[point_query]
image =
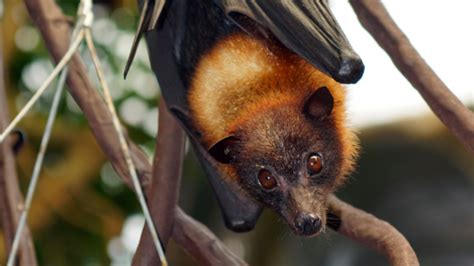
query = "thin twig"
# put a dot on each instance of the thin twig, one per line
(450, 110)
(59, 67)
(164, 189)
(41, 154)
(37, 167)
(55, 31)
(125, 149)
(373, 232)
(10, 195)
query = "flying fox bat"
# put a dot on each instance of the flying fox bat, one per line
(252, 54)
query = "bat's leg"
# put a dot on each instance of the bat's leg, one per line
(19, 140)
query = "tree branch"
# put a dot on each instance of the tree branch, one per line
(164, 190)
(11, 199)
(450, 110)
(373, 232)
(201, 243)
(55, 31)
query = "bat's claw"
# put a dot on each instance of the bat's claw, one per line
(19, 141)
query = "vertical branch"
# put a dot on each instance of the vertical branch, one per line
(10, 194)
(450, 110)
(374, 233)
(164, 190)
(123, 143)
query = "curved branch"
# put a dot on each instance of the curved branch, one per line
(373, 232)
(450, 110)
(201, 243)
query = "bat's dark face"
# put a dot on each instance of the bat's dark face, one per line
(290, 158)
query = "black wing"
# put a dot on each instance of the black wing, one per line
(240, 211)
(151, 11)
(308, 28)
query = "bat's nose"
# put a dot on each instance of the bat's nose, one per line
(350, 70)
(308, 224)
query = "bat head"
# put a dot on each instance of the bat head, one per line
(290, 158)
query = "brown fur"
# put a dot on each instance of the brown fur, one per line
(244, 77)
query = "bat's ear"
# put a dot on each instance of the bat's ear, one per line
(319, 104)
(224, 149)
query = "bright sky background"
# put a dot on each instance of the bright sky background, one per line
(441, 31)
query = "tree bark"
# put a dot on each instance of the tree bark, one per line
(449, 109)
(164, 190)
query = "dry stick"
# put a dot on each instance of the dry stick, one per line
(55, 31)
(126, 151)
(201, 243)
(376, 20)
(42, 152)
(10, 195)
(164, 190)
(61, 64)
(37, 168)
(375, 233)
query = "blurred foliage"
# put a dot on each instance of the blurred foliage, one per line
(413, 173)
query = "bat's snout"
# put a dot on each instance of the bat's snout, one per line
(308, 224)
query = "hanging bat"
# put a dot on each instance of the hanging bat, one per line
(256, 86)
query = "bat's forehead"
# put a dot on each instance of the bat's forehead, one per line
(281, 138)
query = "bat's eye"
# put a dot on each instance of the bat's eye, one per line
(314, 164)
(267, 180)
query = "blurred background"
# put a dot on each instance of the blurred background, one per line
(411, 172)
